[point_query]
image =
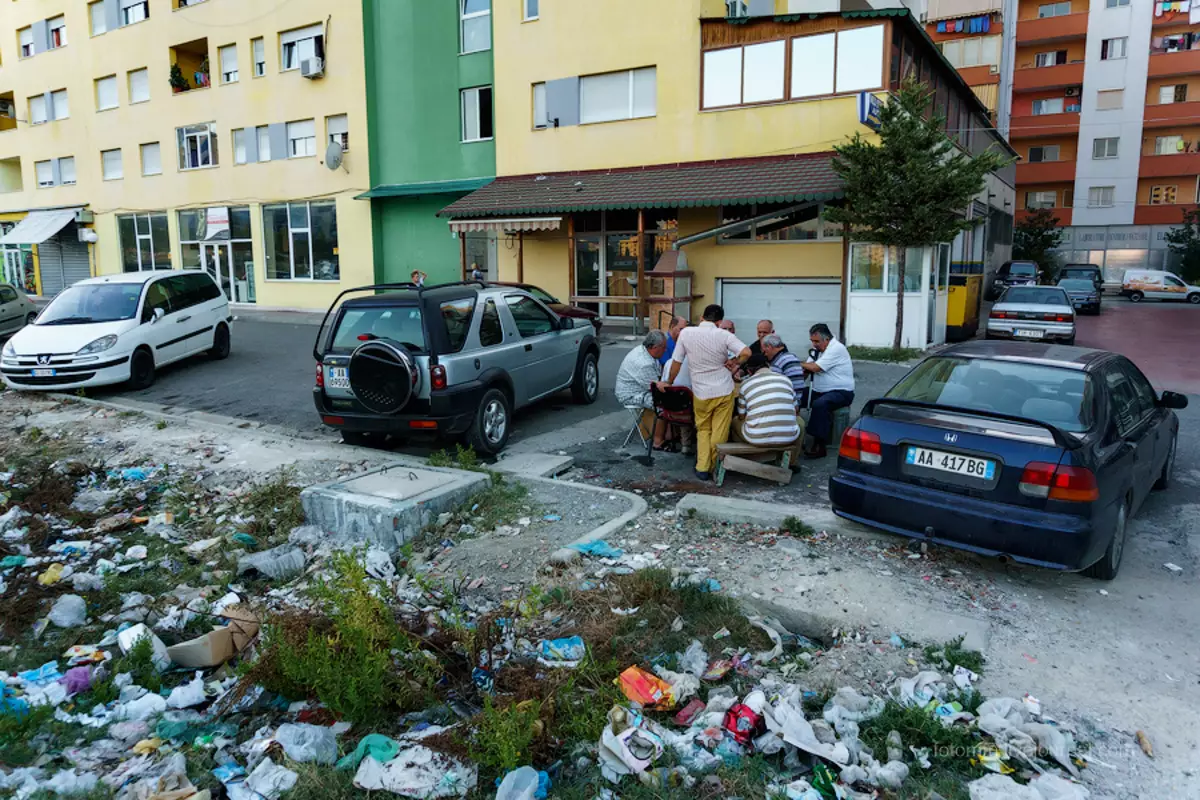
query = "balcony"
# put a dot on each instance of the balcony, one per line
(979, 76)
(1169, 18)
(1160, 215)
(1185, 62)
(10, 175)
(1171, 115)
(1169, 166)
(1052, 29)
(1045, 172)
(1043, 125)
(189, 66)
(8, 112)
(1031, 79)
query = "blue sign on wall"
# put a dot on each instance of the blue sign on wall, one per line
(869, 107)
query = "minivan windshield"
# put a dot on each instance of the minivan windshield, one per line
(1055, 395)
(94, 302)
(1035, 295)
(400, 324)
(1024, 268)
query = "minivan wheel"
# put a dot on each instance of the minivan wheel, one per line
(1106, 568)
(141, 370)
(586, 387)
(1136, 297)
(221, 344)
(492, 423)
(1164, 479)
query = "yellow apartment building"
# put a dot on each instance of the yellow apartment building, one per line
(185, 134)
(663, 156)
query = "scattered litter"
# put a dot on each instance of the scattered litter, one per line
(277, 563)
(597, 548)
(303, 742)
(1173, 567)
(552, 518)
(524, 783)
(68, 611)
(722, 634)
(567, 652)
(130, 637)
(271, 780)
(1144, 742)
(376, 745)
(417, 772)
(645, 689)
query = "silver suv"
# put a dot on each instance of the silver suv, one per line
(449, 360)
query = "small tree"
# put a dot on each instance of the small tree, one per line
(1185, 242)
(911, 188)
(1036, 237)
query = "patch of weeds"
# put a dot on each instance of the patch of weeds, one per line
(950, 748)
(161, 425)
(34, 434)
(100, 792)
(355, 658)
(953, 653)
(815, 703)
(139, 663)
(797, 527)
(502, 737)
(153, 582)
(581, 704)
(316, 782)
(16, 733)
(500, 503)
(462, 458)
(275, 505)
(884, 354)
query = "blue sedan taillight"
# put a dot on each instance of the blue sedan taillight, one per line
(860, 445)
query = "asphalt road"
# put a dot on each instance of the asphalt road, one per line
(269, 375)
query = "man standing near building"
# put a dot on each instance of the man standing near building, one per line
(832, 384)
(707, 348)
(765, 328)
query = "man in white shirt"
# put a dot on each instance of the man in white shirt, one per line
(832, 384)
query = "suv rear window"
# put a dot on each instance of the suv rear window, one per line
(456, 315)
(398, 323)
(1022, 268)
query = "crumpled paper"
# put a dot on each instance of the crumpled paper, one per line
(418, 772)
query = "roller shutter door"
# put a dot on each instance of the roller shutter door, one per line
(794, 307)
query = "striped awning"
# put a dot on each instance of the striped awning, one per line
(513, 224)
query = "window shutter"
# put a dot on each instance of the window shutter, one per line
(250, 144)
(112, 14)
(279, 142)
(56, 171)
(41, 37)
(562, 101)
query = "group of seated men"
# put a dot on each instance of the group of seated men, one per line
(753, 393)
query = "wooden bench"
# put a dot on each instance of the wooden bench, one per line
(753, 460)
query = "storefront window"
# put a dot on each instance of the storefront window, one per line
(872, 267)
(217, 240)
(481, 252)
(794, 223)
(18, 263)
(145, 241)
(300, 241)
(912, 269)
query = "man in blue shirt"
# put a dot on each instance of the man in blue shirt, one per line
(677, 324)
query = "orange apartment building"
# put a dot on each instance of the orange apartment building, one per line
(1104, 112)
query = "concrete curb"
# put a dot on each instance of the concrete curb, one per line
(566, 555)
(772, 515)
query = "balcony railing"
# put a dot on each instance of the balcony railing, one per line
(1183, 62)
(1171, 115)
(1034, 126)
(1052, 29)
(1045, 172)
(1160, 214)
(1057, 77)
(1176, 164)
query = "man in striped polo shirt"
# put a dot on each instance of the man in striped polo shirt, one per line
(766, 408)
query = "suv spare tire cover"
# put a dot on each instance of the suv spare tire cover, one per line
(382, 376)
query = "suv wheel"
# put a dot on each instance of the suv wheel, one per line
(586, 387)
(493, 421)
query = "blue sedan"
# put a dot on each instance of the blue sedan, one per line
(1035, 452)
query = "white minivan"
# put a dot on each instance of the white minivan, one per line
(1155, 284)
(119, 328)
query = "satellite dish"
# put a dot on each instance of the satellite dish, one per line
(333, 155)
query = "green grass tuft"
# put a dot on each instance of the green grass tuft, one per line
(953, 653)
(884, 354)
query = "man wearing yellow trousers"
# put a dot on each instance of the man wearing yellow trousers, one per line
(707, 349)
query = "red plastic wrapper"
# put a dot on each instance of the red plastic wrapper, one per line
(645, 689)
(717, 670)
(689, 712)
(742, 723)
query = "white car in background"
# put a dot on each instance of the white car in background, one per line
(119, 328)
(16, 310)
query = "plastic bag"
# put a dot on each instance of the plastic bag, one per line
(566, 652)
(645, 689)
(693, 659)
(379, 747)
(304, 742)
(524, 783)
(188, 694)
(271, 780)
(1000, 787)
(69, 611)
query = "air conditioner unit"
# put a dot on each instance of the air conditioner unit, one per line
(1072, 91)
(312, 68)
(84, 216)
(736, 8)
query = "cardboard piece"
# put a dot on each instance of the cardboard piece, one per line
(219, 645)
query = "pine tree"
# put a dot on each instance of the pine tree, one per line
(1036, 237)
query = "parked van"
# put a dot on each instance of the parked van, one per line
(1153, 284)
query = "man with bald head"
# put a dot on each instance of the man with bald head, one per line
(764, 328)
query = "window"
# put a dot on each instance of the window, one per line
(145, 242)
(531, 9)
(793, 223)
(477, 114)
(260, 57)
(25, 38)
(1050, 59)
(197, 145)
(474, 25)
(151, 159)
(300, 241)
(1100, 196)
(1115, 3)
(239, 145)
(974, 52)
(57, 32)
(337, 129)
(37, 110)
(530, 317)
(1047, 152)
(229, 63)
(539, 106)
(1041, 199)
(1163, 195)
(59, 105)
(1113, 48)
(66, 171)
(860, 59)
(1109, 99)
(1105, 148)
(45, 173)
(456, 316)
(1052, 105)
(263, 134)
(99, 18)
(110, 165)
(301, 45)
(872, 266)
(623, 95)
(1168, 145)
(1173, 94)
(139, 86)
(490, 332)
(302, 138)
(106, 93)
(133, 11)
(1054, 10)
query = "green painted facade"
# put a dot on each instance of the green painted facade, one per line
(414, 78)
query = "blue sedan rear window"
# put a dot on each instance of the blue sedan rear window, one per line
(1055, 395)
